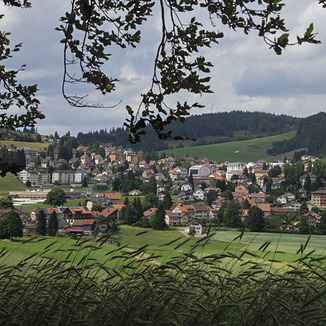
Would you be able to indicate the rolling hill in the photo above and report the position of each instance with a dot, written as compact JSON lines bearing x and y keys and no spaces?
{"x":245,"y":150}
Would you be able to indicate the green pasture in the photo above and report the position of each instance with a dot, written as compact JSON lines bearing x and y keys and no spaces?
{"x":165,"y":246}
{"x":32,"y":145}
{"x":283,"y":247}
{"x":33,"y":250}
{"x":245,"y":150}
{"x":30,"y":207}
{"x":10,"y":183}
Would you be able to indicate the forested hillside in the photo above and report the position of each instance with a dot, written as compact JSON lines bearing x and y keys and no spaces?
{"x":224,"y":126}
{"x":256,"y":124}
{"x":311,"y":133}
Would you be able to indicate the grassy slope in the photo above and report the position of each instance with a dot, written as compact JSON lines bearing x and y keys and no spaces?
{"x":283,"y":247}
{"x":10,"y":183}
{"x":32,"y":145}
{"x":246,"y":150}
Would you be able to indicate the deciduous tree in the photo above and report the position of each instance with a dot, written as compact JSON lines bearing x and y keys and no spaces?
{"x":14,"y":225}
{"x":56,"y":197}
{"x":89,"y":28}
{"x":6,"y":202}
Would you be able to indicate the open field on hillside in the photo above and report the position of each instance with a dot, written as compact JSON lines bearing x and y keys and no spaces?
{"x":283,"y":247}
{"x":32,"y":145}
{"x":10,"y":183}
{"x":66,"y":281}
{"x":165,"y":245}
{"x":245,"y":151}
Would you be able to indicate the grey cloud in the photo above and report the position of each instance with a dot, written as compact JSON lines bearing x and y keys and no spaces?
{"x":279,"y":82}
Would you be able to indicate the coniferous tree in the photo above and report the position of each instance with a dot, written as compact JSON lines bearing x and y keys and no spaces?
{"x":138,"y":207}
{"x":246,"y":204}
{"x":303,"y":208}
{"x":167,"y":201}
{"x":322,"y":223}
{"x":232,"y":214}
{"x":255,"y":219}
{"x":158,"y":219}
{"x":303,"y":225}
{"x":130,"y":215}
{"x":191,"y":180}
{"x":307,"y":184}
{"x":84,"y":183}
{"x":53,"y":224}
{"x":220,"y":213}
{"x":221,"y":184}
{"x":41,"y":222}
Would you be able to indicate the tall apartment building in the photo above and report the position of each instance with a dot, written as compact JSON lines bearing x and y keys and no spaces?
{"x":36,"y":177}
{"x":318,"y":198}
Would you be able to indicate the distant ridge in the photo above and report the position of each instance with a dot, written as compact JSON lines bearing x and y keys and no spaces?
{"x":206,"y":128}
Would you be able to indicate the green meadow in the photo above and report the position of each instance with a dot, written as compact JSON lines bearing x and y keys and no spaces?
{"x":284,"y":247}
{"x":30,"y":207}
{"x":160,"y":277}
{"x":168,"y":244}
{"x":10,"y":183}
{"x":75,"y":251}
{"x":245,"y":150}
{"x":32,"y":145}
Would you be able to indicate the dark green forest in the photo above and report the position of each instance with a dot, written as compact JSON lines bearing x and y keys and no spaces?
{"x":224,"y":126}
{"x":311,"y":134}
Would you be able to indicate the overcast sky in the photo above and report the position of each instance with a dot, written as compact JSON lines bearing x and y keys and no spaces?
{"x":247,"y":75}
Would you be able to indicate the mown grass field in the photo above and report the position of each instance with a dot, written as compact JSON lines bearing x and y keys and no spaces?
{"x":32,"y":145}
{"x":283,"y":246}
{"x":10,"y":183}
{"x":244,"y":151}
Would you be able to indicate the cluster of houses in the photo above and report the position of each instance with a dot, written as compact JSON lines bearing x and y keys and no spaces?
{"x":190,"y":180}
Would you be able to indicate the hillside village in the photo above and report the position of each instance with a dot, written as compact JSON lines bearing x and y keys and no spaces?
{"x":289,"y":195}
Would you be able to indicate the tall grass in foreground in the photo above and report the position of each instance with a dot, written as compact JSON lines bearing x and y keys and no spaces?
{"x":132,"y":288}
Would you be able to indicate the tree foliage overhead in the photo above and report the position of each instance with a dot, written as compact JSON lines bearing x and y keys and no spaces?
{"x":13,"y":94}
{"x":92,"y":26}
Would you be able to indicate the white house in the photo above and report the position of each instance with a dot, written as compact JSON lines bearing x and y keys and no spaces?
{"x":194,"y":225}
{"x":80,"y":175}
{"x":235,"y":166}
{"x":282,"y":200}
{"x":185,"y":187}
{"x":199,"y":194}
